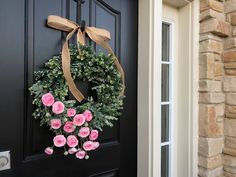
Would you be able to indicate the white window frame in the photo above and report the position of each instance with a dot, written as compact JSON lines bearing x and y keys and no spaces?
{"x":150,"y":24}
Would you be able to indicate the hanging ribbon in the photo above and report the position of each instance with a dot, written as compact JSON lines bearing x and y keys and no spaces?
{"x":98,"y":35}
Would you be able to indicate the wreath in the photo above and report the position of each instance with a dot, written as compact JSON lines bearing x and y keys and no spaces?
{"x":76,"y":123}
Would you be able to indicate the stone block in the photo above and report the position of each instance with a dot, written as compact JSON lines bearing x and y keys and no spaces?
{"x":229,"y":84}
{"x":230,"y":6}
{"x":210,"y":85}
{"x":229,"y":161}
{"x":230,"y":142}
{"x":210,"y":46}
{"x":219,"y":69}
{"x":210,"y":162}
{"x":211,"y":4}
{"x":230,"y":43}
{"x":230,"y":127}
{"x":229,"y":56}
{"x":211,"y":14}
{"x":229,"y":151}
{"x":211,"y":97}
{"x":209,"y":147}
{"x":204,"y":172}
{"x":231,"y":98}
{"x":208,"y":124}
{"x":215,"y":26}
{"x":230,"y":72}
{"x":231,"y":65}
{"x":206,"y":66}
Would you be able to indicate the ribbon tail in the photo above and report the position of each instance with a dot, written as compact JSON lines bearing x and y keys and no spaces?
{"x":66,"y":69}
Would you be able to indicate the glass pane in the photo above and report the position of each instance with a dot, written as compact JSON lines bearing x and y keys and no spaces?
{"x":165,"y":161}
{"x":164,"y":123}
{"x":165,"y":82}
{"x":165,"y":42}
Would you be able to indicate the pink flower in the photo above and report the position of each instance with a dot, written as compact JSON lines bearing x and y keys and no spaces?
{"x":88,"y":115}
{"x":58,"y":107}
{"x":55,"y":123}
{"x":95,"y":145}
{"x":93,"y":135}
{"x":88,"y":145}
{"x":79,"y":119}
{"x":80,"y":154}
{"x":48,"y":151}
{"x":59,"y":140}
{"x":71,"y":112}
{"x":48,"y":99}
{"x":84,"y":132}
{"x":72,"y":141}
{"x":72,"y":150}
{"x":69,"y":127}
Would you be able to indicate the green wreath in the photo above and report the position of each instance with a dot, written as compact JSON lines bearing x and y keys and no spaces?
{"x":50,"y":97}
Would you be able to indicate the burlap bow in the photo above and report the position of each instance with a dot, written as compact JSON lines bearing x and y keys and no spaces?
{"x":100,"y":36}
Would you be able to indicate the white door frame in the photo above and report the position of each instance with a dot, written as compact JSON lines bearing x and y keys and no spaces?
{"x":149,"y":97}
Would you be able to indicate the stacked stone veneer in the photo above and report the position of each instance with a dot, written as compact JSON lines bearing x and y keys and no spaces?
{"x":217,"y":89}
{"x":213,"y":30}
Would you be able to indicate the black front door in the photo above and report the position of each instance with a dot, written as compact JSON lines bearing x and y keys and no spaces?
{"x":25,"y":45}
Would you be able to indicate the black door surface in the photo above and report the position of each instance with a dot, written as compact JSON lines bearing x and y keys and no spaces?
{"x":25,"y":44}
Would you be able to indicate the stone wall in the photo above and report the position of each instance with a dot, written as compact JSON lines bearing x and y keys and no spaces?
{"x":217,"y":87}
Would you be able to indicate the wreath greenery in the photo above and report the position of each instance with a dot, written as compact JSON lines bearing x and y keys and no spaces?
{"x":98,"y":69}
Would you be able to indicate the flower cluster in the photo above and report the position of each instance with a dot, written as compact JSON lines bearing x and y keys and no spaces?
{"x":74,"y":133}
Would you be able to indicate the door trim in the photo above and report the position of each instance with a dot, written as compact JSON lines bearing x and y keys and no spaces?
{"x":149,"y":50}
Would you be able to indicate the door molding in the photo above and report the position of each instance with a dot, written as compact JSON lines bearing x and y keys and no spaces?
{"x":149,"y":76}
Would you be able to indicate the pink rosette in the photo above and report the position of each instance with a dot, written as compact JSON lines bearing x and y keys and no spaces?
{"x":84,"y":132}
{"x":58,"y":107}
{"x":69,"y":127}
{"x":59,"y":140}
{"x":55,"y":123}
{"x":72,"y":150}
{"x":71,"y":112}
{"x":48,"y":151}
{"x":72,"y":141}
{"x":80,"y":154}
{"x":88,"y":115}
{"x":95,"y":145}
{"x":88,"y":145}
{"x":79,"y":120}
{"x":93,"y":135}
{"x":47,"y":99}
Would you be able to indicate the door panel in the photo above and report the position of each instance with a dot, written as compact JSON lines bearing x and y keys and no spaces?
{"x":27,"y":43}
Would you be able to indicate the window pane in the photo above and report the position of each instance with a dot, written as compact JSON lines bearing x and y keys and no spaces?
{"x":165,"y":82}
{"x":165,"y":161}
{"x":164,"y":123}
{"x":165,"y":41}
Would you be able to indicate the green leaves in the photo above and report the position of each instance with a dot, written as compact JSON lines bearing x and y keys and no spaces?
{"x":86,"y":65}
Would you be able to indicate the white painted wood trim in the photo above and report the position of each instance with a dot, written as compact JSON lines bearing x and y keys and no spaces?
{"x":149,"y":76}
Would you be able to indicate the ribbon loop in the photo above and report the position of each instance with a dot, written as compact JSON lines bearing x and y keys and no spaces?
{"x":98,"y":35}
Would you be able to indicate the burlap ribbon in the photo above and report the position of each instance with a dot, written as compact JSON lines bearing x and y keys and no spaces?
{"x":100,"y":36}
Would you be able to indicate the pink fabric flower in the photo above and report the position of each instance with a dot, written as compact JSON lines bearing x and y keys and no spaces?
{"x":88,"y":115}
{"x":69,"y":127}
{"x":95,"y":145}
{"x":58,"y":107}
{"x":93,"y":135}
{"x":48,"y":99}
{"x":59,"y":140}
{"x":48,"y":151}
{"x":72,"y":150}
{"x":88,"y":145}
{"x":80,"y":154}
{"x":79,"y":119}
{"x":72,"y":141}
{"x":84,"y":132}
{"x":71,"y":112}
{"x":55,"y":123}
